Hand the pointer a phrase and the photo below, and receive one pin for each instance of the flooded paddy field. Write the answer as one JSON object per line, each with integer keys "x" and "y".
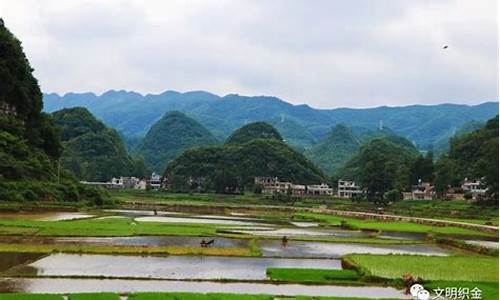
{"x": 271, "y": 248}
{"x": 146, "y": 241}
{"x": 308, "y": 245}
{"x": 165, "y": 219}
{"x": 171, "y": 267}
{"x": 300, "y": 232}
{"x": 68, "y": 285}
{"x": 482, "y": 243}
{"x": 45, "y": 216}
{"x": 11, "y": 259}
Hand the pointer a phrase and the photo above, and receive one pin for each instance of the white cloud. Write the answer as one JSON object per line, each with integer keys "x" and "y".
{"x": 324, "y": 53}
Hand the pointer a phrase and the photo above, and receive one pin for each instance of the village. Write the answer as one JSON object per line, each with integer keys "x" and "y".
{"x": 346, "y": 189}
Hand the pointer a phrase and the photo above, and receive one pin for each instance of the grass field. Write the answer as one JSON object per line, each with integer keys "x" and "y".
{"x": 29, "y": 297}
{"x": 372, "y": 224}
{"x": 103, "y": 227}
{"x": 123, "y": 249}
{"x": 429, "y": 268}
{"x": 94, "y": 296}
{"x": 311, "y": 275}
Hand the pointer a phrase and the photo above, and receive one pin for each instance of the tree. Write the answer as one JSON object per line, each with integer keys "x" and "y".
{"x": 472, "y": 155}
{"x": 445, "y": 174}
{"x": 380, "y": 166}
{"x": 422, "y": 169}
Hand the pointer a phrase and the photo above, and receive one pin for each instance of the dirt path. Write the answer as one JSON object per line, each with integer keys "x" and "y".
{"x": 429, "y": 221}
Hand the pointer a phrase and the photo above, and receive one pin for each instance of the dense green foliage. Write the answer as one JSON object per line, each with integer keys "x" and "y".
{"x": 381, "y": 165}
{"x": 257, "y": 130}
{"x": 29, "y": 144}
{"x": 230, "y": 167}
{"x": 422, "y": 169}
{"x": 335, "y": 150}
{"x": 169, "y": 137}
{"x": 473, "y": 155}
{"x": 133, "y": 114}
{"x": 443, "y": 146}
{"x": 293, "y": 133}
{"x": 92, "y": 151}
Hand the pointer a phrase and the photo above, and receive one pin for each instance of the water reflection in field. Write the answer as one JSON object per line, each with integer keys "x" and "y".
{"x": 172, "y": 267}
{"x": 336, "y": 250}
{"x": 67, "y": 285}
{"x": 11, "y": 259}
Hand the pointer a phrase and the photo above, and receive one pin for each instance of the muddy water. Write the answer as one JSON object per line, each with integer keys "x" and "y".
{"x": 172, "y": 267}
{"x": 11, "y": 259}
{"x": 336, "y": 250}
{"x": 157, "y": 241}
{"x": 193, "y": 220}
{"x": 485, "y": 244}
{"x": 396, "y": 235}
{"x": 304, "y": 224}
{"x": 137, "y": 212}
{"x": 45, "y": 216}
{"x": 303, "y": 232}
{"x": 63, "y": 285}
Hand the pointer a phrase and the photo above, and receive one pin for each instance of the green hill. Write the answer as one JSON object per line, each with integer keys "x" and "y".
{"x": 256, "y": 130}
{"x": 133, "y": 114}
{"x": 473, "y": 155}
{"x": 380, "y": 165}
{"x": 169, "y": 137}
{"x": 236, "y": 165}
{"x": 443, "y": 145}
{"x": 92, "y": 151}
{"x": 293, "y": 133}
{"x": 342, "y": 143}
{"x": 29, "y": 144}
{"x": 335, "y": 150}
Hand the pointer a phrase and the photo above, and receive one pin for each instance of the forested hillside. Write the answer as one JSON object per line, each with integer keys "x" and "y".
{"x": 92, "y": 151}
{"x": 332, "y": 152}
{"x": 257, "y": 130}
{"x": 234, "y": 165}
{"x": 381, "y": 165}
{"x": 29, "y": 143}
{"x": 472, "y": 155}
{"x": 133, "y": 114}
{"x": 169, "y": 137}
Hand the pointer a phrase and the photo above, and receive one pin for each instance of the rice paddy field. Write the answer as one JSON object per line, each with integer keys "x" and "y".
{"x": 254, "y": 251}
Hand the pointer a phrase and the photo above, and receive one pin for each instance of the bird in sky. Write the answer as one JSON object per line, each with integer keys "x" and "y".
{"x": 445, "y": 47}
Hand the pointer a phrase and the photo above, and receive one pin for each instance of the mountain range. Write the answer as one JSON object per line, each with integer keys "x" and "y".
{"x": 300, "y": 125}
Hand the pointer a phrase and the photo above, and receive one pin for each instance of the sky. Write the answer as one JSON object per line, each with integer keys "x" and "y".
{"x": 327, "y": 54}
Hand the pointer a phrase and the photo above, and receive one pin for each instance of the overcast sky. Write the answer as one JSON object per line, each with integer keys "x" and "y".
{"x": 323, "y": 53}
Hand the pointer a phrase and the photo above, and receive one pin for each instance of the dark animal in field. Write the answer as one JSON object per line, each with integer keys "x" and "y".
{"x": 409, "y": 280}
{"x": 206, "y": 244}
{"x": 284, "y": 241}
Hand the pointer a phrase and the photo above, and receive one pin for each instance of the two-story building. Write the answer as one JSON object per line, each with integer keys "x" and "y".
{"x": 421, "y": 191}
{"x": 348, "y": 189}
{"x": 319, "y": 189}
{"x": 474, "y": 187}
